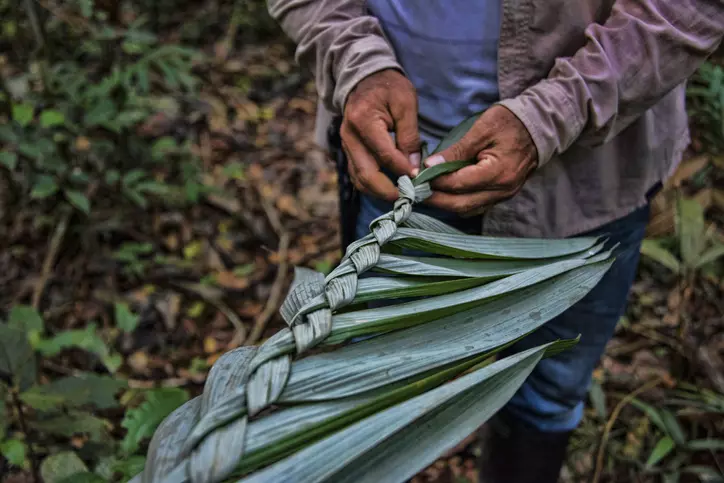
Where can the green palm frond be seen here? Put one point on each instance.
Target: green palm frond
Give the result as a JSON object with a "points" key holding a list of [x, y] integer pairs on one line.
{"points": [[425, 376]]}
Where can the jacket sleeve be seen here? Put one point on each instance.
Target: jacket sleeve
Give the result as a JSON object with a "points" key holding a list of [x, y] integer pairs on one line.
{"points": [[339, 40], [644, 50]]}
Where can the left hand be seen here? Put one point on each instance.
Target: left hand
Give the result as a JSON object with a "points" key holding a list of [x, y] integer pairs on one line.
{"points": [[505, 155]]}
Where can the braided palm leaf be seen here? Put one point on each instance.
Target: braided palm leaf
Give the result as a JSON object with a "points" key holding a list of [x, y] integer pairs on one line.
{"points": [[384, 408]]}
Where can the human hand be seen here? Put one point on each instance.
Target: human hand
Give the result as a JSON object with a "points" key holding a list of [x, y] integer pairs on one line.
{"points": [[382, 102], [505, 155]]}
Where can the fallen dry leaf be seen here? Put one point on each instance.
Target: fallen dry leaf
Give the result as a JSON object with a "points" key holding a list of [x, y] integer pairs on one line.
{"points": [[228, 279]]}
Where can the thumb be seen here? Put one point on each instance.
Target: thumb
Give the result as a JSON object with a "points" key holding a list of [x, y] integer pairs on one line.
{"points": [[465, 148]]}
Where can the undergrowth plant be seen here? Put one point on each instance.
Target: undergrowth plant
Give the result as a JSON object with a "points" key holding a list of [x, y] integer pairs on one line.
{"points": [[705, 104], [71, 131], [61, 427]]}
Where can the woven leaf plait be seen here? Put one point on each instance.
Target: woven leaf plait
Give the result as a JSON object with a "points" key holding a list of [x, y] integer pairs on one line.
{"points": [[248, 380]]}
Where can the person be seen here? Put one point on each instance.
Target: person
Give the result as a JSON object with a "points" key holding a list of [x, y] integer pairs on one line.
{"points": [[583, 119]]}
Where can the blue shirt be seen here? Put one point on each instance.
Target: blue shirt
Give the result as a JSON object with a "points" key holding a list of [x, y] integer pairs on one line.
{"points": [[449, 50]]}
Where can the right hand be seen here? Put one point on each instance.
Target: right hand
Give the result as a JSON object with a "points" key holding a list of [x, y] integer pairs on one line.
{"points": [[383, 102]]}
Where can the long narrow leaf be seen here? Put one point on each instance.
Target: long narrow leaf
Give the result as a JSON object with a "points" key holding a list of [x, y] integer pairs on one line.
{"points": [[690, 229], [342, 454], [465, 246], [419, 311], [395, 356], [451, 267]]}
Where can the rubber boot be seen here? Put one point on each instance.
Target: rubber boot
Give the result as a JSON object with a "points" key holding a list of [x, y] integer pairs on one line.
{"points": [[516, 452]]}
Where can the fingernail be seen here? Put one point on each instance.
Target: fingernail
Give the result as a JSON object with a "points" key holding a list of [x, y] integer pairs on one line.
{"points": [[415, 160], [434, 160], [415, 172]]}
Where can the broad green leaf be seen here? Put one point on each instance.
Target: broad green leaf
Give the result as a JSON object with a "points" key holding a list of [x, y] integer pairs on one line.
{"points": [[142, 421], [457, 133], [74, 391], [72, 423], [51, 118], [130, 467], [86, 339], [392, 445], [162, 147], [133, 177], [102, 112], [44, 186], [36, 399], [126, 320], [26, 318], [711, 255], [9, 159], [660, 451], [32, 151], [653, 250], [8, 135], [17, 360], [78, 200], [112, 362], [690, 230], [58, 467], [23, 113], [14, 451]]}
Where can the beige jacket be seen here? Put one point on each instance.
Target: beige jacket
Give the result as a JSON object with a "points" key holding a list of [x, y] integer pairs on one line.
{"points": [[600, 85]]}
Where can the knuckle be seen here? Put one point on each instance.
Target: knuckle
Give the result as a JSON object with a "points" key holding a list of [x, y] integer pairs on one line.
{"points": [[363, 178], [385, 158], [462, 205], [356, 113]]}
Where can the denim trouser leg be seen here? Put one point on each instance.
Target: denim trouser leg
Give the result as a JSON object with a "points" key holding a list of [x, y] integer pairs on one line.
{"points": [[552, 397]]}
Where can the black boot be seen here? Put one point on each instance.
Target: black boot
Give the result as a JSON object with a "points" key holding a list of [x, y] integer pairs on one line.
{"points": [[515, 452]]}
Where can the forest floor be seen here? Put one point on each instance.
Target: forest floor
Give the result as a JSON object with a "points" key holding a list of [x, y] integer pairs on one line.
{"points": [[211, 278]]}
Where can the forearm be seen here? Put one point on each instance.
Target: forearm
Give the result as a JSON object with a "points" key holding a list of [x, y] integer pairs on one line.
{"points": [[644, 50], [338, 40]]}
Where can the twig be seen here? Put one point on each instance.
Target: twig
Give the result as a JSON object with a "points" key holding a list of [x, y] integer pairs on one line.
{"points": [[49, 261], [35, 25], [275, 295], [24, 428], [612, 420]]}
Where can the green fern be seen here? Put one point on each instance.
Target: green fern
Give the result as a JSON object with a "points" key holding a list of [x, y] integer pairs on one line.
{"points": [[142, 421]]}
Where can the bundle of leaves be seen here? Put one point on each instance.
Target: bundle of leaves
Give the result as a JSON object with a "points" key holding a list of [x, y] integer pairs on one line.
{"points": [[422, 371]]}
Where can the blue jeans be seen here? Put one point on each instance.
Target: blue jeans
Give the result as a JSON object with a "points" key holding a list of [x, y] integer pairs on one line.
{"points": [[552, 398]]}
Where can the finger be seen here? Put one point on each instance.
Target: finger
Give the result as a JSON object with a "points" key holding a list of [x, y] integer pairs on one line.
{"points": [[466, 204], [365, 172], [478, 137], [377, 139], [407, 136], [488, 174]]}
